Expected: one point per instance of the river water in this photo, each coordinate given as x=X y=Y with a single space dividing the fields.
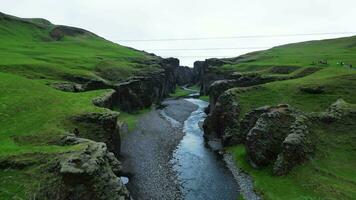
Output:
x=201 y=173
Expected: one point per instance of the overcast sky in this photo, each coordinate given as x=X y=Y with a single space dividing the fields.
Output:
x=119 y=20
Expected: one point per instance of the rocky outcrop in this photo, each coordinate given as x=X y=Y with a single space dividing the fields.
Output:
x=263 y=142
x=296 y=147
x=279 y=137
x=237 y=80
x=184 y=76
x=100 y=127
x=205 y=74
x=142 y=91
x=90 y=172
x=68 y=87
x=334 y=113
x=223 y=121
x=106 y=101
x=81 y=84
x=137 y=92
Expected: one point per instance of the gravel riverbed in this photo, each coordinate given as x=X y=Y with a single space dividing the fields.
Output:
x=147 y=152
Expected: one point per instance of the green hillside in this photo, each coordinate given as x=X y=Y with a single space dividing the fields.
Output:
x=38 y=49
x=332 y=51
x=330 y=174
x=33 y=115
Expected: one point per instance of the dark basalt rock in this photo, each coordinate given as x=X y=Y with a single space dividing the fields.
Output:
x=263 y=142
x=279 y=137
x=142 y=91
x=100 y=127
x=68 y=87
x=313 y=89
x=283 y=69
x=334 y=113
x=237 y=80
x=91 y=172
x=81 y=84
x=250 y=119
x=106 y=101
x=296 y=147
x=184 y=75
x=223 y=122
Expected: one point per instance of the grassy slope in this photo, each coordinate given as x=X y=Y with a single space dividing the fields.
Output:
x=299 y=54
x=330 y=175
x=28 y=50
x=32 y=114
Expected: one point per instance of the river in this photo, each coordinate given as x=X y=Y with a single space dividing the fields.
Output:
x=201 y=173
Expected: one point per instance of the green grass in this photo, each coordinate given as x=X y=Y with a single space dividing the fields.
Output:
x=30 y=51
x=204 y=98
x=33 y=115
x=299 y=54
x=180 y=92
x=29 y=108
x=132 y=118
x=329 y=175
x=338 y=83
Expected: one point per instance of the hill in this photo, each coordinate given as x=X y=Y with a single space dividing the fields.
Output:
x=251 y=95
x=61 y=91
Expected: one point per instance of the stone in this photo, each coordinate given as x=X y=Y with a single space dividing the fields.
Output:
x=68 y=87
x=106 y=101
x=91 y=172
x=297 y=147
x=100 y=127
x=223 y=121
x=313 y=89
x=264 y=140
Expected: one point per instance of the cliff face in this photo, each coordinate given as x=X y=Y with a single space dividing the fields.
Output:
x=185 y=75
x=143 y=90
x=205 y=75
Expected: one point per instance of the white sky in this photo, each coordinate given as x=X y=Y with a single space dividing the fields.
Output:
x=156 y=19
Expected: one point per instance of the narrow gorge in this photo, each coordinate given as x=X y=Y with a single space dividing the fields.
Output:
x=84 y=118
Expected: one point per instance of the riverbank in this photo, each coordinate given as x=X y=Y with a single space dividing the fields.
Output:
x=148 y=149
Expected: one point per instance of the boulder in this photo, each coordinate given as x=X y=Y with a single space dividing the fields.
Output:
x=297 y=147
x=263 y=141
x=89 y=172
x=279 y=137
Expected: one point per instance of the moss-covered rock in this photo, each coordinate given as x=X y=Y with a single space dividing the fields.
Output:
x=100 y=127
x=263 y=142
x=223 y=122
x=91 y=172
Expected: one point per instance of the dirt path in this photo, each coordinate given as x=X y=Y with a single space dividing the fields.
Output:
x=147 y=152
